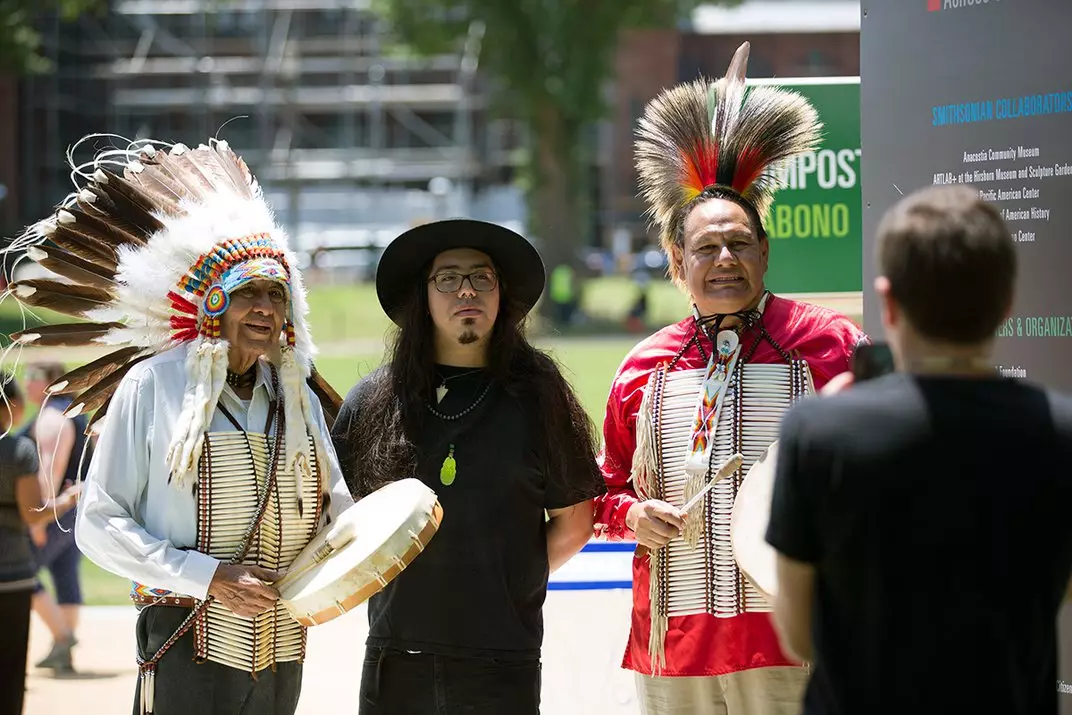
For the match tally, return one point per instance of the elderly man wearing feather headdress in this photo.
(713, 385)
(214, 468)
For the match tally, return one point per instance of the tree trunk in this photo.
(556, 204)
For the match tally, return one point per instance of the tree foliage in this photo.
(20, 43)
(548, 61)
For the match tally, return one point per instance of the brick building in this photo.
(789, 38)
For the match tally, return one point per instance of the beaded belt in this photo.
(180, 601)
(142, 596)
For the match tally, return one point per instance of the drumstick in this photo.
(339, 536)
(728, 467)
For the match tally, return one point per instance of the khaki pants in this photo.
(758, 691)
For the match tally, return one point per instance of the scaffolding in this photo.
(353, 138)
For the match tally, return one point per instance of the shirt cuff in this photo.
(197, 574)
(615, 528)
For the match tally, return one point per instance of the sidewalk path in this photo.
(585, 636)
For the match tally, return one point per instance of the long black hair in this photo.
(392, 408)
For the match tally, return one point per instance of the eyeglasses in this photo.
(481, 281)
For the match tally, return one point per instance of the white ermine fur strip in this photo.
(206, 374)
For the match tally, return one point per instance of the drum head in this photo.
(388, 529)
(748, 524)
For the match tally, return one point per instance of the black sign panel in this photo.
(979, 92)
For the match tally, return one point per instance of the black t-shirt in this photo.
(936, 513)
(478, 589)
(18, 460)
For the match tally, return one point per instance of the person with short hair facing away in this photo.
(921, 517)
(22, 505)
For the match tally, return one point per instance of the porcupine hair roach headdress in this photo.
(146, 253)
(722, 138)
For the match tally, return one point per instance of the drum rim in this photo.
(309, 618)
(429, 517)
(737, 517)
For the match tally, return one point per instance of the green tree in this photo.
(20, 43)
(548, 60)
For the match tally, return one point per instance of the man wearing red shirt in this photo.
(715, 384)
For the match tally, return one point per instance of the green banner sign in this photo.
(815, 224)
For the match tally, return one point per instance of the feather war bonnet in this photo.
(724, 134)
(144, 254)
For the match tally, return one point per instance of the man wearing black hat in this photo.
(468, 406)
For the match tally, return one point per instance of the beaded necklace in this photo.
(449, 469)
(245, 379)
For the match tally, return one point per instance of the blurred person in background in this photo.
(22, 506)
(563, 292)
(636, 319)
(921, 516)
(60, 442)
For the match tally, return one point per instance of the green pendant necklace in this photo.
(449, 469)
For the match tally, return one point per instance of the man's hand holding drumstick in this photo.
(654, 522)
(657, 522)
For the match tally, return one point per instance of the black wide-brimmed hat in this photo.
(517, 261)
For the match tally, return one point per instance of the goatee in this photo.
(468, 338)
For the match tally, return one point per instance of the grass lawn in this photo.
(340, 313)
(350, 312)
(588, 363)
(346, 312)
(99, 588)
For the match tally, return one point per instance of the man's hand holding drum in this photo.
(244, 590)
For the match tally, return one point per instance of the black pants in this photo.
(15, 617)
(185, 687)
(400, 683)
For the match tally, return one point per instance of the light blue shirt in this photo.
(131, 521)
